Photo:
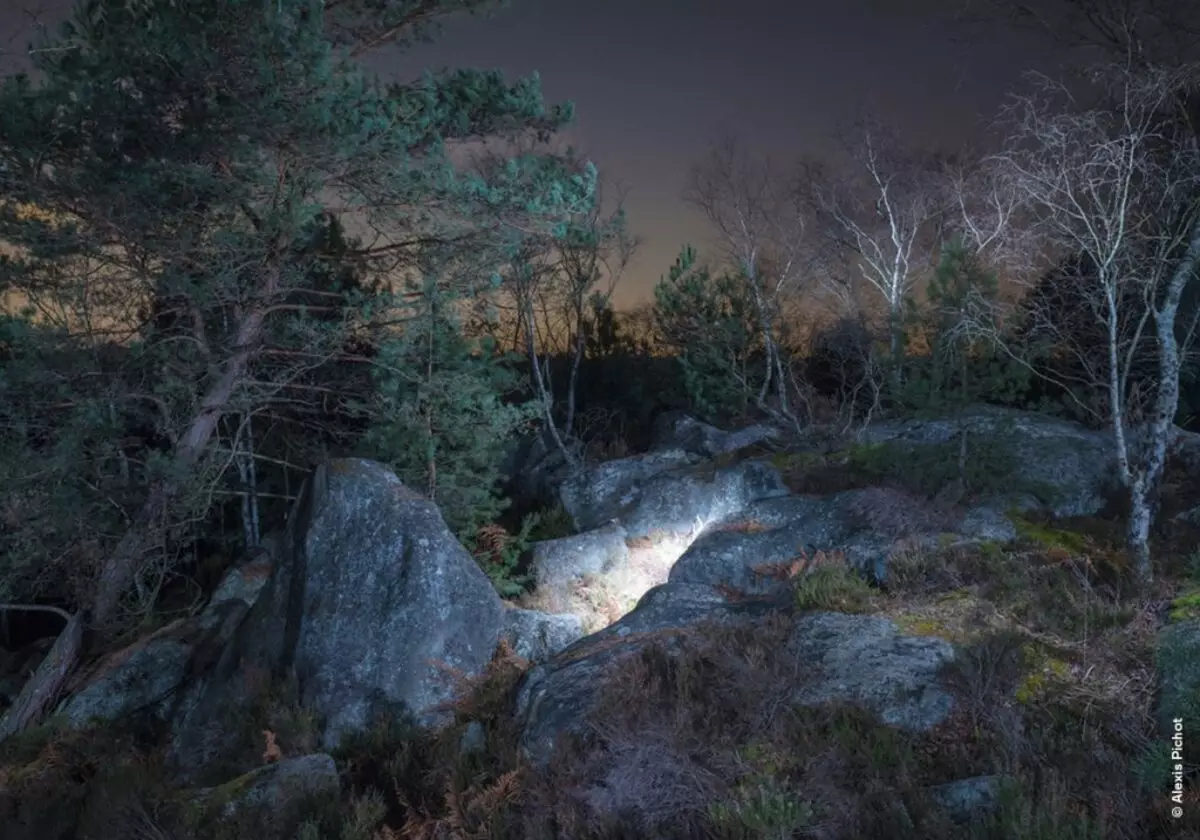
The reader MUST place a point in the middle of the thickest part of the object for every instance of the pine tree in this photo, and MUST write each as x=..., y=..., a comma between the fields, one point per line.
x=443, y=414
x=963, y=365
x=709, y=324
x=184, y=155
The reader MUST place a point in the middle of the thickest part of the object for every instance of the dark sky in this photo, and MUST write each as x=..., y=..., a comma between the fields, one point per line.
x=656, y=81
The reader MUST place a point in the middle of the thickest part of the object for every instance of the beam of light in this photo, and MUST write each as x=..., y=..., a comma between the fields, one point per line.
x=602, y=600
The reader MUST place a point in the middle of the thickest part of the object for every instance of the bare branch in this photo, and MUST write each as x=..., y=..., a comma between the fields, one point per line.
x=884, y=212
x=1118, y=187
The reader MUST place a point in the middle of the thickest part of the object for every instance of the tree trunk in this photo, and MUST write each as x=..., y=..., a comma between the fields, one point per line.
x=1137, y=535
x=252, y=490
x=764, y=326
x=44, y=687
x=1144, y=489
x=896, y=345
x=543, y=390
x=123, y=564
x=573, y=378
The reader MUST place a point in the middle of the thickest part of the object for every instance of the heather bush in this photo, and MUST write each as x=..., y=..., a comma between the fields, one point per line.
x=897, y=512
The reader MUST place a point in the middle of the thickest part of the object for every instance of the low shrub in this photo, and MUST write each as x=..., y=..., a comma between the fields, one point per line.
x=833, y=588
x=500, y=555
x=992, y=466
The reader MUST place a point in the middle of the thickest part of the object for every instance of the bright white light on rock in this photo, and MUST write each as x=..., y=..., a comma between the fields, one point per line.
x=607, y=599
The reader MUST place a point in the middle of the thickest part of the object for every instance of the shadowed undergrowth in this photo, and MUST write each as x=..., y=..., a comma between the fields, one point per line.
x=1054, y=680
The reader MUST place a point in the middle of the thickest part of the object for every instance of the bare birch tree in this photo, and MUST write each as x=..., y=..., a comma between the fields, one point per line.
x=556, y=288
x=592, y=258
x=1140, y=34
x=1119, y=185
x=760, y=226
x=885, y=215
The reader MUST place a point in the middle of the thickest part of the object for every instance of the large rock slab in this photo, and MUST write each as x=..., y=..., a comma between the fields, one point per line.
x=695, y=500
x=1070, y=461
x=537, y=636
x=774, y=532
x=782, y=529
x=270, y=800
x=373, y=607
x=676, y=430
x=1178, y=666
x=666, y=492
x=534, y=469
x=141, y=677
x=865, y=661
x=598, y=495
x=557, y=563
x=555, y=697
x=858, y=660
x=151, y=676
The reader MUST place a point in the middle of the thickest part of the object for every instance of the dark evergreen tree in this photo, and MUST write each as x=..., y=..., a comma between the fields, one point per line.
x=709, y=324
x=443, y=420
x=963, y=364
x=180, y=159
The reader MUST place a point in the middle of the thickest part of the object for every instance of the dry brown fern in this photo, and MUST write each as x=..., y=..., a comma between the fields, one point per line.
x=823, y=559
x=490, y=542
x=468, y=814
x=800, y=565
x=471, y=811
x=272, y=752
x=729, y=593
x=417, y=825
x=779, y=571
x=472, y=692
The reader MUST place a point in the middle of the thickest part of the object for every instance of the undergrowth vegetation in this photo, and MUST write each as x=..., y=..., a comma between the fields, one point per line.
x=991, y=466
x=1055, y=730
x=692, y=737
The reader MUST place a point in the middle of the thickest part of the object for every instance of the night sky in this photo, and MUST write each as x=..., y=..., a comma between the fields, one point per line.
x=656, y=81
